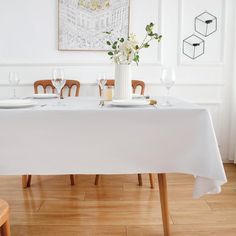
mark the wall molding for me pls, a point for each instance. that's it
(27, 84)
(189, 84)
(160, 21)
(54, 63)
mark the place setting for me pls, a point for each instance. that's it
(35, 100)
(14, 102)
(123, 96)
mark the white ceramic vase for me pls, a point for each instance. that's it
(123, 80)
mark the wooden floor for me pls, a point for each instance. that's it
(118, 206)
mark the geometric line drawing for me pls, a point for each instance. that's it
(205, 24)
(193, 46)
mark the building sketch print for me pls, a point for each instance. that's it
(82, 23)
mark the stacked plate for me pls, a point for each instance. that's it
(17, 103)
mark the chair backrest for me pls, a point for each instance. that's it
(48, 84)
(135, 84)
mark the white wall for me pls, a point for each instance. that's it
(28, 45)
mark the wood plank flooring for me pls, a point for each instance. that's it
(118, 206)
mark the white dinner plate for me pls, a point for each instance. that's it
(44, 95)
(17, 103)
(129, 103)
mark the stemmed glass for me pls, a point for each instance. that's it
(168, 80)
(13, 81)
(58, 81)
(101, 81)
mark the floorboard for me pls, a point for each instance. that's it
(117, 206)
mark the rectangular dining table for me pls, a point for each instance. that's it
(80, 137)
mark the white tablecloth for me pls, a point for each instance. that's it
(79, 137)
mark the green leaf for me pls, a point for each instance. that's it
(148, 28)
(110, 53)
(122, 40)
(159, 38)
(114, 46)
(156, 36)
(151, 34)
(136, 47)
(108, 32)
(136, 58)
(146, 45)
(108, 43)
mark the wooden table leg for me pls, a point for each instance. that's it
(164, 203)
(72, 180)
(96, 179)
(151, 180)
(29, 180)
(5, 229)
(24, 181)
(140, 180)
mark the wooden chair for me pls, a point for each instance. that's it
(45, 84)
(48, 84)
(135, 85)
(4, 219)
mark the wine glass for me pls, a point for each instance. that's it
(168, 80)
(101, 81)
(58, 81)
(13, 81)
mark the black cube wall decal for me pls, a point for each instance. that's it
(193, 46)
(205, 24)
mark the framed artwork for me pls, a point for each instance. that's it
(82, 23)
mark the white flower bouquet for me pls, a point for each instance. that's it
(125, 51)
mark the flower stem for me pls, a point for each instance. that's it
(142, 44)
